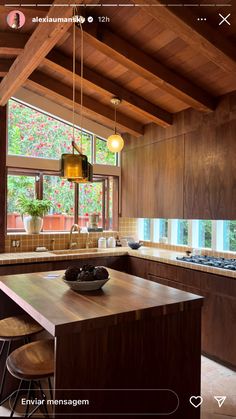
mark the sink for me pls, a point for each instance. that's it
(75, 251)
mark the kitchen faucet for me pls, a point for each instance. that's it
(72, 244)
(88, 242)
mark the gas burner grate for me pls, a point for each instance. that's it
(215, 262)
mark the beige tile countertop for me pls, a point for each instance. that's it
(150, 253)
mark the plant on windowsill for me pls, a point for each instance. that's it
(32, 212)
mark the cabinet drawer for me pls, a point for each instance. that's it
(162, 270)
(173, 284)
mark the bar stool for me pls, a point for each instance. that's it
(32, 362)
(16, 328)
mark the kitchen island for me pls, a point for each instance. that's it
(133, 347)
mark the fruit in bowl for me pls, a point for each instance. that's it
(71, 273)
(87, 278)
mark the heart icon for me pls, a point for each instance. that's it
(196, 401)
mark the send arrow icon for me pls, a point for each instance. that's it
(220, 400)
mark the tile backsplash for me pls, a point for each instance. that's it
(128, 227)
(52, 240)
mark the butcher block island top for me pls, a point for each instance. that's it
(133, 334)
(123, 298)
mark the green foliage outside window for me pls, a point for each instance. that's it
(205, 233)
(182, 236)
(90, 198)
(35, 134)
(103, 155)
(16, 186)
(230, 235)
(61, 194)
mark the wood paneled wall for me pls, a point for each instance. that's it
(3, 175)
(187, 170)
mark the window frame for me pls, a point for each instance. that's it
(92, 135)
(40, 166)
(217, 236)
(39, 195)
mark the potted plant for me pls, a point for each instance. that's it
(32, 212)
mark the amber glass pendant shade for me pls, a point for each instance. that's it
(74, 167)
(88, 177)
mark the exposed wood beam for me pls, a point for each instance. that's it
(58, 62)
(43, 39)
(62, 93)
(205, 39)
(158, 74)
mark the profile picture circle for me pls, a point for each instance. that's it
(15, 19)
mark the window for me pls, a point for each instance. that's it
(182, 232)
(96, 197)
(163, 223)
(35, 134)
(103, 155)
(91, 201)
(61, 194)
(229, 236)
(205, 233)
(217, 234)
(18, 185)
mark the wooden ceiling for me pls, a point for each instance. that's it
(158, 59)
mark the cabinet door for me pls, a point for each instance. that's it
(168, 172)
(152, 180)
(210, 173)
(138, 267)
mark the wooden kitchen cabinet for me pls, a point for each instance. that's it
(137, 266)
(210, 173)
(219, 308)
(152, 180)
(116, 262)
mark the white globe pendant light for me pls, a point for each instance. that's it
(115, 142)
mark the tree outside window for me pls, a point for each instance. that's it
(229, 236)
(36, 134)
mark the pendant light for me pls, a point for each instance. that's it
(75, 167)
(115, 142)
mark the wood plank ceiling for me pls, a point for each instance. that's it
(158, 60)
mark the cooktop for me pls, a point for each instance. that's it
(215, 262)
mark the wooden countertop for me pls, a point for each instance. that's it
(150, 253)
(124, 298)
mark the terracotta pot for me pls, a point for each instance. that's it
(33, 225)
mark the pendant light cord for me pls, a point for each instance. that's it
(81, 86)
(73, 82)
(115, 119)
(81, 80)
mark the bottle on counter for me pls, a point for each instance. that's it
(111, 242)
(102, 243)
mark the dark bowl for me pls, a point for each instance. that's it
(134, 245)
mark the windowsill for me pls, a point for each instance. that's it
(44, 233)
(183, 247)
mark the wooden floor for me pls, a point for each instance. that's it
(216, 381)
